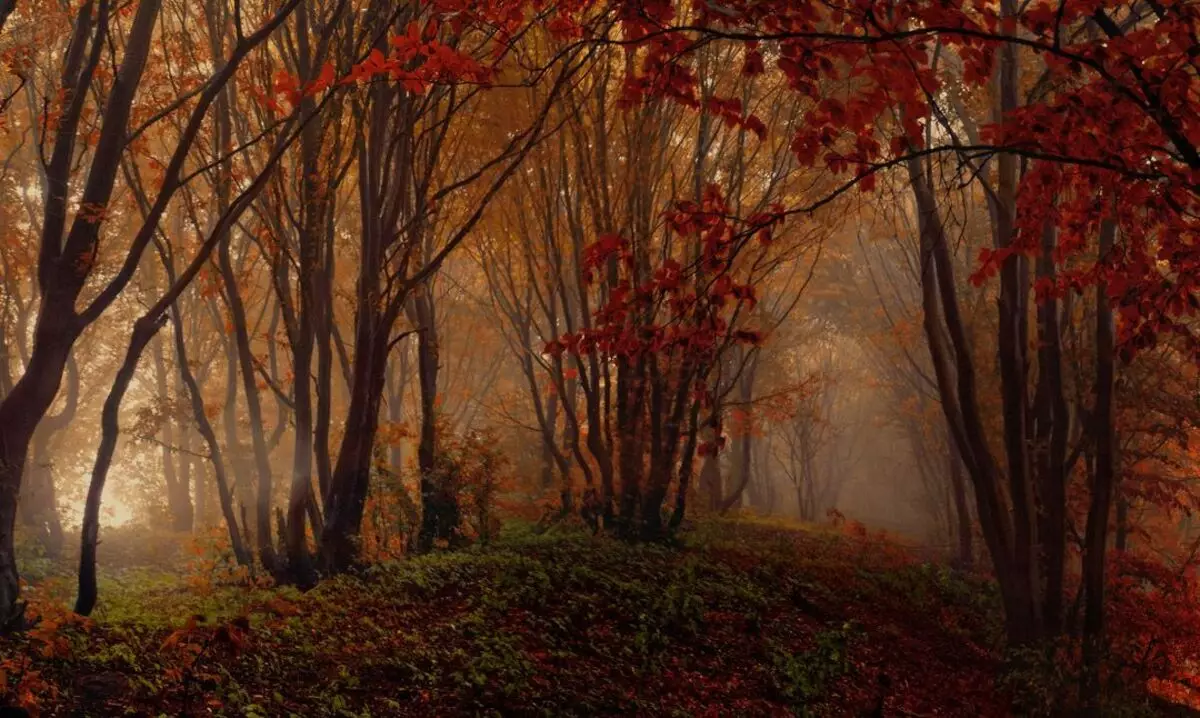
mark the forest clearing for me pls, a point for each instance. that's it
(584, 357)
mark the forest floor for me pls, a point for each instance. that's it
(743, 618)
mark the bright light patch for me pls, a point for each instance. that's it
(114, 511)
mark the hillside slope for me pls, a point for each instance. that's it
(744, 619)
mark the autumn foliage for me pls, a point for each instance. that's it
(333, 285)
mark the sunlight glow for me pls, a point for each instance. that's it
(114, 511)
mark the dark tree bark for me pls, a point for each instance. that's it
(59, 260)
(1051, 419)
(324, 380)
(439, 500)
(147, 325)
(954, 371)
(686, 468)
(258, 441)
(352, 472)
(143, 331)
(310, 233)
(1095, 550)
(396, 158)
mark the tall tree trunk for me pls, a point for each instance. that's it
(323, 313)
(59, 258)
(200, 496)
(374, 319)
(1121, 540)
(742, 447)
(397, 381)
(351, 478)
(143, 331)
(262, 460)
(179, 499)
(311, 231)
(20, 412)
(1096, 539)
(1051, 424)
(1013, 341)
(686, 468)
(300, 491)
(548, 463)
(239, 463)
(631, 397)
(954, 369)
(439, 501)
(204, 426)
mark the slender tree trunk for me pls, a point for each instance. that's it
(686, 468)
(1051, 424)
(955, 373)
(323, 312)
(143, 331)
(1096, 539)
(742, 446)
(300, 493)
(200, 495)
(311, 231)
(262, 461)
(1013, 341)
(179, 499)
(204, 426)
(351, 479)
(631, 392)
(439, 501)
(241, 466)
(397, 375)
(548, 462)
(962, 511)
(185, 477)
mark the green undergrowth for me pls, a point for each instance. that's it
(740, 618)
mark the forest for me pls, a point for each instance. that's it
(599, 357)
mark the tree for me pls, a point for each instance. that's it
(1132, 185)
(436, 72)
(65, 262)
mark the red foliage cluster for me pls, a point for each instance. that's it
(417, 59)
(1155, 615)
(1128, 89)
(683, 308)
